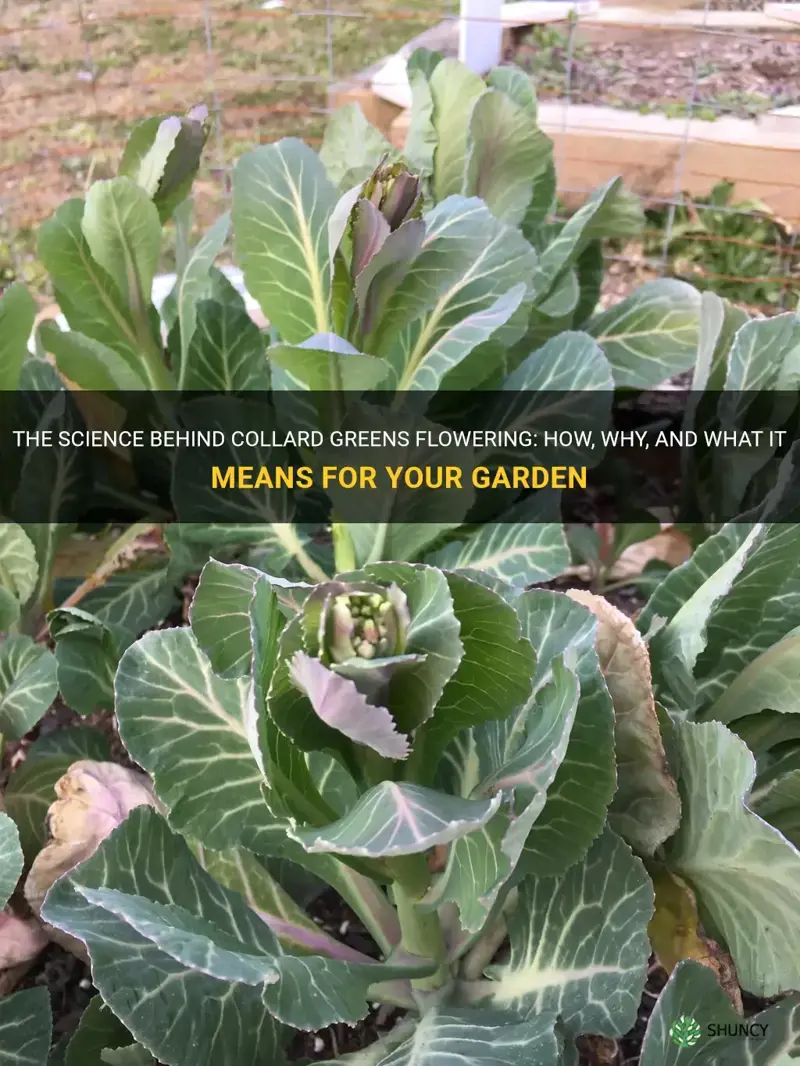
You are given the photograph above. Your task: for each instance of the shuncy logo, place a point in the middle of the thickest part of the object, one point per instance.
(685, 1032)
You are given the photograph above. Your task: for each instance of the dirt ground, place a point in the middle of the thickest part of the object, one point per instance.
(76, 74)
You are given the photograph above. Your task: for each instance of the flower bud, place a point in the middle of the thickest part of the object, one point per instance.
(365, 624)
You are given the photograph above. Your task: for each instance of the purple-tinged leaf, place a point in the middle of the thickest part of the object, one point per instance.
(339, 704)
(370, 230)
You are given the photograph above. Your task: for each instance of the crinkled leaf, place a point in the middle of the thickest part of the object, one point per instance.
(646, 809)
(188, 727)
(652, 334)
(17, 315)
(281, 202)
(18, 572)
(579, 944)
(28, 685)
(25, 1027)
(744, 872)
(30, 789)
(395, 818)
(340, 705)
(87, 655)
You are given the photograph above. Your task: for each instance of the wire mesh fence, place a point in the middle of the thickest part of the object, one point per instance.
(76, 74)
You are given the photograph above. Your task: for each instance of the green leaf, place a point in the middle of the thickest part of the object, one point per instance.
(506, 154)
(188, 727)
(87, 296)
(11, 860)
(28, 685)
(455, 90)
(220, 616)
(163, 155)
(765, 354)
(585, 782)
(770, 681)
(447, 354)
(90, 364)
(133, 1055)
(744, 872)
(522, 554)
(516, 85)
(447, 1036)
(98, 1029)
(194, 283)
(395, 818)
(523, 752)
(30, 789)
(310, 365)
(579, 945)
(17, 315)
(778, 802)
(282, 200)
(570, 362)
(652, 334)
(421, 137)
(205, 1020)
(227, 352)
(136, 598)
(87, 655)
(123, 232)
(492, 679)
(25, 1027)
(693, 992)
(18, 573)
(352, 147)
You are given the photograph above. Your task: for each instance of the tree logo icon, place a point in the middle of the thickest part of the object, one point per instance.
(685, 1032)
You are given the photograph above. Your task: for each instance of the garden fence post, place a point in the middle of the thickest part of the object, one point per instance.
(480, 34)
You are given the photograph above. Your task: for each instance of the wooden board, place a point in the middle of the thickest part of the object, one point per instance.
(661, 157)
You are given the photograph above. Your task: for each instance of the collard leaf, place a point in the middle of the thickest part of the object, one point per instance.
(31, 788)
(227, 352)
(163, 156)
(352, 147)
(340, 705)
(204, 939)
(522, 554)
(282, 199)
(480, 1037)
(25, 1027)
(743, 871)
(493, 678)
(220, 615)
(310, 365)
(17, 315)
(87, 655)
(188, 727)
(770, 681)
(18, 573)
(137, 598)
(395, 818)
(585, 781)
(778, 803)
(123, 232)
(98, 1029)
(28, 685)
(89, 363)
(579, 944)
(455, 90)
(507, 151)
(132, 1055)
(208, 1020)
(194, 283)
(86, 293)
(516, 85)
(693, 992)
(646, 809)
(652, 334)
(765, 354)
(11, 861)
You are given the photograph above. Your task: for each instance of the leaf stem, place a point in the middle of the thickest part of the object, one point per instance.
(286, 534)
(421, 929)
